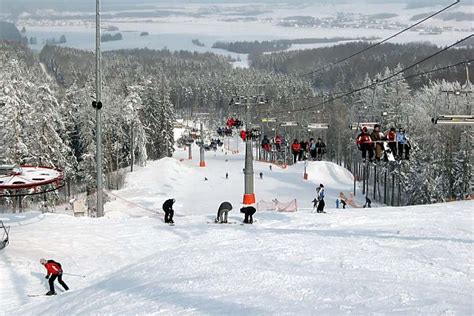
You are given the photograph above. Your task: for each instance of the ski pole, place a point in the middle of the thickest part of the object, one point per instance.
(77, 275)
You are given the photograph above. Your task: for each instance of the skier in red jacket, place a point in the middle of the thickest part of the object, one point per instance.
(243, 135)
(295, 148)
(54, 271)
(364, 143)
(391, 136)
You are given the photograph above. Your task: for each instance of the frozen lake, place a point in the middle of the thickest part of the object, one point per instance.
(177, 32)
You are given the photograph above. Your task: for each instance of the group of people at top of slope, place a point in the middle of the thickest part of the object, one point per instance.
(302, 150)
(398, 143)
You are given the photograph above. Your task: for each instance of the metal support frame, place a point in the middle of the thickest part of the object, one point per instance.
(98, 86)
(249, 193)
(202, 162)
(375, 183)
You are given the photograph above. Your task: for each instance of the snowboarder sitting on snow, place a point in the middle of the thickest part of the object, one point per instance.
(343, 199)
(168, 209)
(364, 143)
(320, 197)
(248, 211)
(224, 208)
(54, 271)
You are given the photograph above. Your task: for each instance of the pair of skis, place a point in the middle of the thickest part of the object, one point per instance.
(36, 295)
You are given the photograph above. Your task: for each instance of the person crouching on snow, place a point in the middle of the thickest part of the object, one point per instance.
(169, 212)
(54, 271)
(248, 211)
(224, 208)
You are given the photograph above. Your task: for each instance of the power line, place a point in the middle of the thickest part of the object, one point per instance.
(379, 43)
(431, 71)
(384, 80)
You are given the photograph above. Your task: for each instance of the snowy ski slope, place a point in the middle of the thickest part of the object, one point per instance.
(406, 260)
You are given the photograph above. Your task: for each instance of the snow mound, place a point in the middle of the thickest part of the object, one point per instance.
(147, 188)
(329, 173)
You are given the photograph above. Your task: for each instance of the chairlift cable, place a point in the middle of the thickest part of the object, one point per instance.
(385, 80)
(320, 69)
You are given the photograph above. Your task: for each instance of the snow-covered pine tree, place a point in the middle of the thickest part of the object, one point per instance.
(15, 94)
(131, 108)
(157, 117)
(48, 141)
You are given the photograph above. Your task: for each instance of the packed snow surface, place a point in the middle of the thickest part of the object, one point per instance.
(397, 260)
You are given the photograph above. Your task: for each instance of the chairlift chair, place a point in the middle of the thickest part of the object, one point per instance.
(453, 119)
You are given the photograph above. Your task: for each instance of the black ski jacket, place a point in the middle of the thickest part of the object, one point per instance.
(250, 210)
(168, 205)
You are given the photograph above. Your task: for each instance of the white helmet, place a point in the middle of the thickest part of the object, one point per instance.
(43, 261)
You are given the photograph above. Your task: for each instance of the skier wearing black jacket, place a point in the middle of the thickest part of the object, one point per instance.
(224, 208)
(169, 212)
(248, 211)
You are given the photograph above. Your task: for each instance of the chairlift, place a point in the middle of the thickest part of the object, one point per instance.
(360, 125)
(288, 124)
(5, 235)
(453, 119)
(317, 126)
(262, 100)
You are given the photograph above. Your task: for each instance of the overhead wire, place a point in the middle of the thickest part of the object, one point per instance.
(337, 97)
(318, 70)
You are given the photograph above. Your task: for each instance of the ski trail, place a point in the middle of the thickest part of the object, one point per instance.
(45, 71)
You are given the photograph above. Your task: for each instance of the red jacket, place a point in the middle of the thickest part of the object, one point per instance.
(391, 136)
(53, 268)
(364, 139)
(296, 147)
(243, 135)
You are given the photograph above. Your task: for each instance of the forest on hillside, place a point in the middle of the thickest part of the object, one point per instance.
(314, 64)
(49, 119)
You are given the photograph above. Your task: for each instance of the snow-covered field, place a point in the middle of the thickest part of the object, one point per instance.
(176, 32)
(406, 260)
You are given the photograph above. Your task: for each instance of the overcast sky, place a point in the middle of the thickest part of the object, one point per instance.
(18, 6)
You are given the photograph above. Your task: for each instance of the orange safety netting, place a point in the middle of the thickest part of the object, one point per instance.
(278, 206)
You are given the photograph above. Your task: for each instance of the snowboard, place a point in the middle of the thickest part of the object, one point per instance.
(222, 223)
(388, 152)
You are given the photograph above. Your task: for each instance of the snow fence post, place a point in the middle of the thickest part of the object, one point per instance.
(202, 163)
